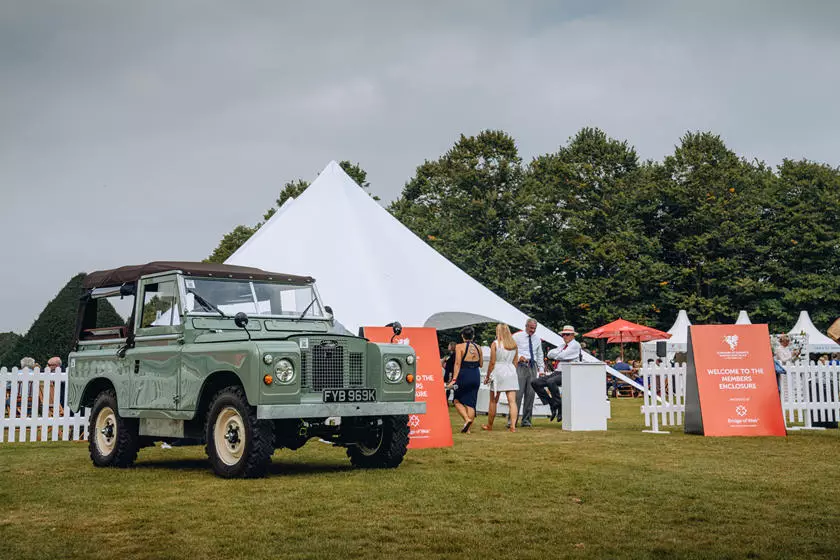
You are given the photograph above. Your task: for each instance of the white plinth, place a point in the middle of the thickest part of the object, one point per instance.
(585, 406)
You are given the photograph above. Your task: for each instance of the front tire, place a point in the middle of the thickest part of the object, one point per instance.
(113, 441)
(238, 444)
(385, 446)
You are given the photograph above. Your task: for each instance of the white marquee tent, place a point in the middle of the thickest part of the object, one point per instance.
(370, 268)
(677, 343)
(818, 343)
(743, 318)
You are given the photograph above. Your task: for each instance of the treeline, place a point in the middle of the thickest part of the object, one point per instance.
(53, 332)
(590, 232)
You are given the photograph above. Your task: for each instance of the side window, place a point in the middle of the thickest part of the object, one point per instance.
(160, 306)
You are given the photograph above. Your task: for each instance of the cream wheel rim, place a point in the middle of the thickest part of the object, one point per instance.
(229, 435)
(106, 430)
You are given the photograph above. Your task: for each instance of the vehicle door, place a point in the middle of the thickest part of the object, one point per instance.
(155, 359)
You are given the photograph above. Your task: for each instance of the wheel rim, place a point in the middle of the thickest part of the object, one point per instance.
(106, 430)
(229, 435)
(371, 446)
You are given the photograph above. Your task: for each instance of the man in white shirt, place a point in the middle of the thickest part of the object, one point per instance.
(569, 351)
(531, 363)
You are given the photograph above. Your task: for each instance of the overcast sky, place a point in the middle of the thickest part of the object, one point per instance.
(138, 131)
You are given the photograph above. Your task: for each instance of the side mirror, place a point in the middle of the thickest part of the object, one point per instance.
(396, 326)
(240, 320)
(328, 309)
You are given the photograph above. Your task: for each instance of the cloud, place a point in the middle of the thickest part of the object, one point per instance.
(146, 130)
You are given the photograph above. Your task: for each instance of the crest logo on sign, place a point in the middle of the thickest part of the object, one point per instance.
(732, 341)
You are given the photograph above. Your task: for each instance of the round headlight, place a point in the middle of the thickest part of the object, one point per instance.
(284, 372)
(268, 358)
(409, 359)
(393, 371)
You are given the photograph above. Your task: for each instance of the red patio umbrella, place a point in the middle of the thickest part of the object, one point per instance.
(622, 331)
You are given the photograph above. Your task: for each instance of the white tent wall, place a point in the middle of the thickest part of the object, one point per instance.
(677, 343)
(368, 266)
(818, 343)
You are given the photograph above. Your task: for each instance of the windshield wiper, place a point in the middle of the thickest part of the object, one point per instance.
(307, 309)
(203, 302)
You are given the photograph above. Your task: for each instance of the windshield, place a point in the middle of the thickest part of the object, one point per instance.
(211, 295)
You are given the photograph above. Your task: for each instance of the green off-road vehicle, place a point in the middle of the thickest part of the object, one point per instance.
(242, 360)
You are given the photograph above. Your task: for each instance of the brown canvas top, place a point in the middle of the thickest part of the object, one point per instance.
(128, 274)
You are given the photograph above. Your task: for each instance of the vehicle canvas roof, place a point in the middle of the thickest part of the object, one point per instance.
(132, 273)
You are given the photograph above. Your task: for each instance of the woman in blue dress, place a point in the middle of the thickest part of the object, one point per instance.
(466, 377)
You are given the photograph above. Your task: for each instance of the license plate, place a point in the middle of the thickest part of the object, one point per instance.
(349, 395)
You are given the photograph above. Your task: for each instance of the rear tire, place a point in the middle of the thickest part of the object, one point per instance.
(113, 441)
(384, 448)
(238, 444)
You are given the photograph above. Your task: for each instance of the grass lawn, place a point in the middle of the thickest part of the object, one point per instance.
(538, 493)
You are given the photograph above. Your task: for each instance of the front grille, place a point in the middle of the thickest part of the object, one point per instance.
(357, 370)
(327, 364)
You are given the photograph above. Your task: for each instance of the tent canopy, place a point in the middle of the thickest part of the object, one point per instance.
(743, 318)
(678, 332)
(817, 341)
(678, 341)
(368, 266)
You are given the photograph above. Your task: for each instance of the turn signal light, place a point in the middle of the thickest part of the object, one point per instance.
(267, 380)
(409, 378)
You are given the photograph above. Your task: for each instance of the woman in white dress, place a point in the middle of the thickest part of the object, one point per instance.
(501, 375)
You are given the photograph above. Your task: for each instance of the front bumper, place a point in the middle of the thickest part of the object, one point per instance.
(326, 410)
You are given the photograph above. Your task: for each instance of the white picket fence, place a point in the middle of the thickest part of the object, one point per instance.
(33, 409)
(810, 392)
(664, 396)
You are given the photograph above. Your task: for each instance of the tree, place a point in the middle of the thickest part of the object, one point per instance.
(230, 243)
(802, 263)
(359, 175)
(292, 189)
(464, 206)
(704, 206)
(592, 261)
(53, 332)
(8, 341)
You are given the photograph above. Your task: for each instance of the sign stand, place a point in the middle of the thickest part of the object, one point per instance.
(433, 429)
(731, 383)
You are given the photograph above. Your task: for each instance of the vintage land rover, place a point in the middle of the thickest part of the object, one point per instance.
(242, 360)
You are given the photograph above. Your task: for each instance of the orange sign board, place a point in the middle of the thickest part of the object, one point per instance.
(731, 382)
(434, 428)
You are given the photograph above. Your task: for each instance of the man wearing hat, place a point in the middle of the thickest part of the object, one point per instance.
(569, 351)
